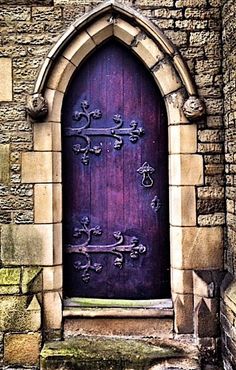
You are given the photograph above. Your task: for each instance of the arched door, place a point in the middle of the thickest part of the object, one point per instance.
(115, 180)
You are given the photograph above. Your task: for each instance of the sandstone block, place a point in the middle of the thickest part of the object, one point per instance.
(79, 48)
(230, 296)
(179, 38)
(166, 77)
(52, 278)
(216, 219)
(31, 280)
(52, 310)
(191, 3)
(14, 315)
(183, 307)
(182, 139)
(48, 203)
(47, 136)
(206, 283)
(54, 99)
(210, 135)
(101, 30)
(31, 244)
(120, 326)
(206, 318)
(22, 349)
(4, 163)
(124, 31)
(182, 205)
(45, 14)
(9, 280)
(61, 75)
(147, 50)
(210, 192)
(5, 78)
(196, 247)
(174, 104)
(41, 167)
(185, 169)
(181, 281)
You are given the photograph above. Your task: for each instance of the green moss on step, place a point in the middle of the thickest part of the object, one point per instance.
(125, 303)
(104, 351)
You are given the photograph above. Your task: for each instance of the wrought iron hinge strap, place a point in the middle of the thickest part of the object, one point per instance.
(116, 132)
(135, 249)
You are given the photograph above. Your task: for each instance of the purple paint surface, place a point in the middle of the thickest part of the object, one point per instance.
(109, 189)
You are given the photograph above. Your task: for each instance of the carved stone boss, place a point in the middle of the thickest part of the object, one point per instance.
(118, 249)
(86, 132)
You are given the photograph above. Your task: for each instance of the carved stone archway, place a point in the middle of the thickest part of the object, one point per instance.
(162, 59)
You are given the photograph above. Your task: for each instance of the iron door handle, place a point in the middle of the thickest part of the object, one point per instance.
(146, 171)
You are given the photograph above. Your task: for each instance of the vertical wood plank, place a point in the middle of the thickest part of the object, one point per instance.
(109, 189)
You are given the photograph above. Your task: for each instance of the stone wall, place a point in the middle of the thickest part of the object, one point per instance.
(228, 304)
(28, 32)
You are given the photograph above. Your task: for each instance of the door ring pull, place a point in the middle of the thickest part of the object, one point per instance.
(146, 170)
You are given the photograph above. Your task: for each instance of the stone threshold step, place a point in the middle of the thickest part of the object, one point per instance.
(94, 307)
(102, 353)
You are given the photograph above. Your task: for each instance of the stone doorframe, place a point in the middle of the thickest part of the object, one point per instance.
(191, 247)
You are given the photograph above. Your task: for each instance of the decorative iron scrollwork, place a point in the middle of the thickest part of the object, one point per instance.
(118, 249)
(85, 132)
(146, 170)
(156, 204)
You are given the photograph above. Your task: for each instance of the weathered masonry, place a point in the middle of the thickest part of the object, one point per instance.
(117, 178)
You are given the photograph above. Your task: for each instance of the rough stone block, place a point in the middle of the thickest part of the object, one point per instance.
(229, 295)
(10, 276)
(191, 3)
(185, 169)
(22, 349)
(216, 219)
(120, 326)
(5, 79)
(196, 247)
(182, 205)
(14, 315)
(31, 244)
(4, 163)
(9, 280)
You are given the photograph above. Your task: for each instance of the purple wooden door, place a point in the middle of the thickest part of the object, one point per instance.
(115, 180)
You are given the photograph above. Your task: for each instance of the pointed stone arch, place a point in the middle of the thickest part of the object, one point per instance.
(162, 59)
